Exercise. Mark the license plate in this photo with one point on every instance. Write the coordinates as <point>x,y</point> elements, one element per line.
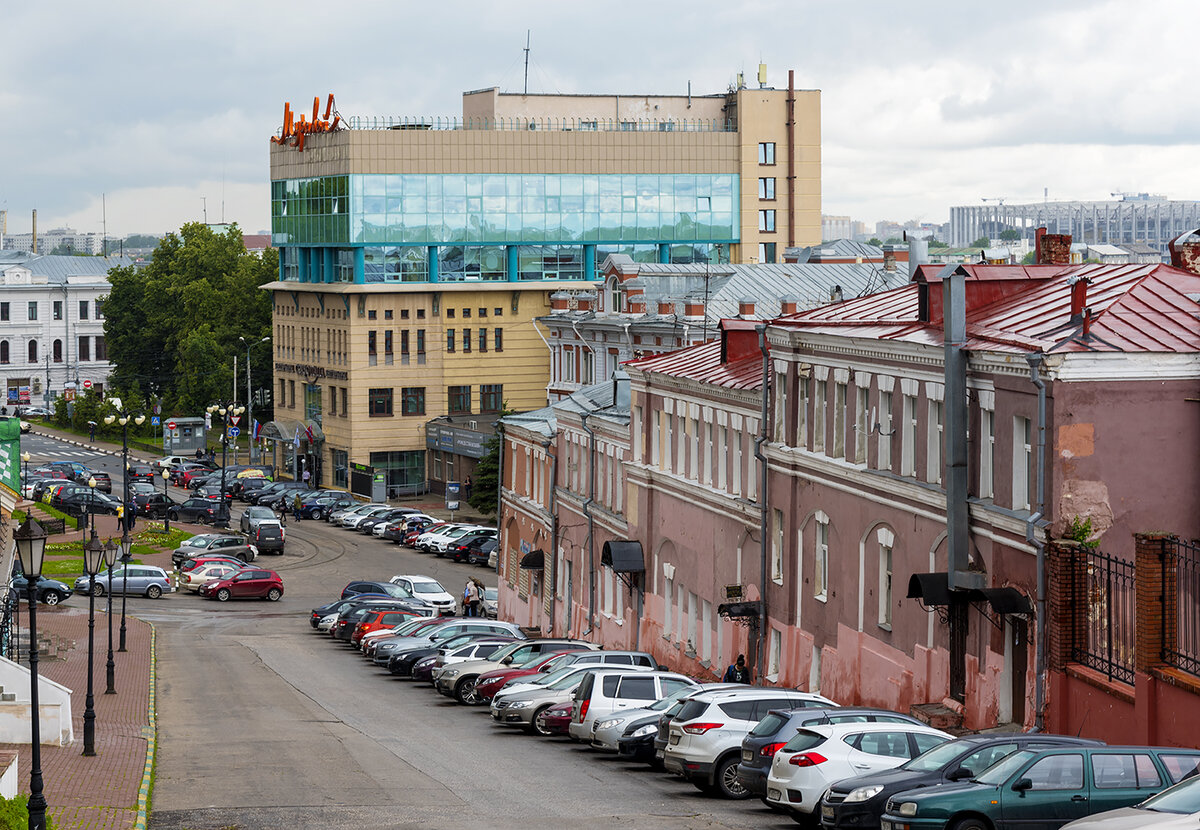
<point>826,812</point>
<point>747,755</point>
<point>674,739</point>
<point>774,795</point>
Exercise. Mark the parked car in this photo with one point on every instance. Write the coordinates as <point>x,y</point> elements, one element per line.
<point>859,801</point>
<point>704,739</point>
<point>199,511</point>
<point>338,605</point>
<point>521,708</point>
<point>439,543</point>
<point>376,619</point>
<point>336,516</point>
<point>244,488</point>
<point>555,720</point>
<point>482,554</point>
<point>602,694</point>
<point>443,633</point>
<point>459,681</point>
<point>174,461</point>
<point>251,516</point>
<point>464,548</point>
<point>319,507</point>
<point>378,646</point>
<point>48,591</point>
<point>83,502</point>
<point>193,579</point>
<point>490,604</point>
<point>405,660</point>
<point>349,619</point>
<point>368,523</point>
<point>428,589</point>
<point>250,583</point>
<point>142,472</point>
<point>192,564</point>
<point>1175,808</point>
<point>146,580</point>
<point>153,505</point>
<point>103,481</point>
<point>1043,788</point>
<point>226,544</point>
<point>269,537</point>
<point>608,730</point>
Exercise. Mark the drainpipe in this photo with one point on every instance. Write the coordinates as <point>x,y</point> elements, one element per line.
<point>1036,361</point>
<point>552,504</point>
<point>591,524</point>
<point>759,440</point>
<point>500,495</point>
<point>590,348</point>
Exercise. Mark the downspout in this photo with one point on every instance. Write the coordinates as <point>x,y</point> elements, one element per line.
<point>791,160</point>
<point>759,440</point>
<point>552,505</point>
<point>1036,361</point>
<point>580,338</point>
<point>591,524</point>
<point>500,557</point>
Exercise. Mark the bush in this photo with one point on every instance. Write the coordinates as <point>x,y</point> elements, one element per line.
<point>14,814</point>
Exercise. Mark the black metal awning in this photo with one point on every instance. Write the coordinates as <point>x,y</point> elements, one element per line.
<point>1005,600</point>
<point>535,560</point>
<point>934,590</point>
<point>623,557</point>
<point>931,589</point>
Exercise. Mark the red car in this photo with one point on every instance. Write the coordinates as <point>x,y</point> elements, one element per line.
<point>248,583</point>
<point>375,620</point>
<point>410,538</point>
<point>556,720</point>
<point>491,682</point>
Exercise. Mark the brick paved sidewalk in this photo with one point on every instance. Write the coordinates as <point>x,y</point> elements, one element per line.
<point>101,792</point>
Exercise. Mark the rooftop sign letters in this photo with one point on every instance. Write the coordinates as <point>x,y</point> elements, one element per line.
<point>294,131</point>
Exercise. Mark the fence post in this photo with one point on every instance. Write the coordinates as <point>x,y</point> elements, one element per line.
<point>1155,598</point>
<point>1062,580</point>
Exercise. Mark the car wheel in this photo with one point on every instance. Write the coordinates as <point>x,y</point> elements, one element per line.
<point>314,514</point>
<point>154,592</point>
<point>537,726</point>
<point>725,780</point>
<point>465,693</point>
<point>971,824</point>
<point>274,594</point>
<point>202,520</point>
<point>223,595</point>
<point>97,590</point>
<point>52,598</point>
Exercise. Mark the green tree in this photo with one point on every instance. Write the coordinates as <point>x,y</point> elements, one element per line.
<point>981,242</point>
<point>893,240</point>
<point>876,241</point>
<point>1029,258</point>
<point>933,243</point>
<point>172,327</point>
<point>141,240</point>
<point>1010,235</point>
<point>485,481</point>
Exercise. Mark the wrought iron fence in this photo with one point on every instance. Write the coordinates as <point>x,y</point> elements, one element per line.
<point>1181,566</point>
<point>1105,615</point>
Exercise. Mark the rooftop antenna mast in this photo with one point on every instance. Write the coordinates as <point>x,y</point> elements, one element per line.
<point>104,221</point>
<point>527,61</point>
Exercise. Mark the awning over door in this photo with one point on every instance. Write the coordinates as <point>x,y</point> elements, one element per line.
<point>624,557</point>
<point>535,560</point>
<point>286,429</point>
<point>934,589</point>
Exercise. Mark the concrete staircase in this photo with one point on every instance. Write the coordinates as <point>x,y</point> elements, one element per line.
<point>946,716</point>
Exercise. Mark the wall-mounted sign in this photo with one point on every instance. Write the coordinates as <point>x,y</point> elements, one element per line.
<point>294,131</point>
<point>311,372</point>
<point>733,592</point>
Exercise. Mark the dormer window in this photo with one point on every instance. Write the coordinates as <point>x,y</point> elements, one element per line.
<point>616,297</point>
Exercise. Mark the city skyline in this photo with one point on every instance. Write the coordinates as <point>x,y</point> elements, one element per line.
<point>162,111</point>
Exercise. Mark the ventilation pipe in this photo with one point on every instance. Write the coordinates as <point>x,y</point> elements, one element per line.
<point>759,440</point>
<point>1036,361</point>
<point>591,522</point>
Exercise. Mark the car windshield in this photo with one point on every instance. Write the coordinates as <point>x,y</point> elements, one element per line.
<point>396,590</point>
<point>1182,798</point>
<point>567,683</point>
<point>936,758</point>
<point>491,594</point>
<point>1000,771</point>
<point>553,677</point>
<point>200,542</point>
<point>769,725</point>
<point>428,588</point>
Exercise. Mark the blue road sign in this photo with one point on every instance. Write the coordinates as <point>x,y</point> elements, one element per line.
<point>234,432</point>
<point>155,420</point>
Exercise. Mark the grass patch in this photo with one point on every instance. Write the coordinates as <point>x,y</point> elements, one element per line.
<point>154,535</point>
<point>19,515</point>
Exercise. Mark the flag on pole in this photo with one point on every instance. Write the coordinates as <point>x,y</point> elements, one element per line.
<point>296,440</point>
<point>312,438</point>
<point>256,429</point>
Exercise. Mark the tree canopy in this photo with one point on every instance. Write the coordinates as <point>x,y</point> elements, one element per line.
<point>172,327</point>
<point>1010,235</point>
<point>981,242</point>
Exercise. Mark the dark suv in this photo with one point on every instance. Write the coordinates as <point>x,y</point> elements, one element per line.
<point>199,511</point>
<point>268,537</point>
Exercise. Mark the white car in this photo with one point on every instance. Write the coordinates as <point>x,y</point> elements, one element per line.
<point>608,729</point>
<point>603,694</point>
<point>428,589</point>
<point>336,516</point>
<point>351,520</point>
<point>327,622</point>
<point>822,753</point>
<point>441,542</point>
<point>193,579</point>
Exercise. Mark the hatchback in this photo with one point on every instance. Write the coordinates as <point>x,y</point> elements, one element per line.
<point>199,511</point>
<point>247,583</point>
<point>142,472</point>
<point>146,580</point>
<point>193,579</point>
<point>428,589</point>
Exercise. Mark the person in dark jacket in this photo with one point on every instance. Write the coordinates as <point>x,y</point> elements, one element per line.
<point>738,672</point>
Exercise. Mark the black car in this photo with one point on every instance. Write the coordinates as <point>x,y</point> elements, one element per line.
<point>246,487</point>
<point>365,586</point>
<point>268,537</point>
<point>468,548</point>
<point>773,731</point>
<point>49,591</point>
<point>349,617</point>
<point>103,481</point>
<point>401,662</point>
<point>214,491</point>
<point>153,505</point>
<point>276,490</point>
<point>82,502</point>
<point>199,511</point>
<point>142,472</point>
<point>637,741</point>
<point>324,503</point>
<point>860,801</point>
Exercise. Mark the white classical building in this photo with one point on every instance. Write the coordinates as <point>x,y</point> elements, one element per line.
<point>52,325</point>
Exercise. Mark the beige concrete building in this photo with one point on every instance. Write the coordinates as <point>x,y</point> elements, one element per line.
<point>400,237</point>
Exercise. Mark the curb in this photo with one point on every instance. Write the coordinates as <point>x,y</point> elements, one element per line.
<point>151,732</point>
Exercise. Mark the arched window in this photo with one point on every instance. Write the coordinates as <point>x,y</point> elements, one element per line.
<point>57,351</point>
<point>616,298</point>
<point>33,351</point>
<point>3,351</point>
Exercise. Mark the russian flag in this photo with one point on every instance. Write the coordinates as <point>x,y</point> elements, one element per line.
<point>256,431</point>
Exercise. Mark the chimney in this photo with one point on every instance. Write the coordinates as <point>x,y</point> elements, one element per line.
<point>889,258</point>
<point>1054,248</point>
<point>636,304</point>
<point>1078,298</point>
<point>665,308</point>
<point>746,309</point>
<point>788,305</point>
<point>560,301</point>
<point>1185,251</point>
<point>620,379</point>
<point>836,295</point>
<point>693,309</point>
<point>918,254</point>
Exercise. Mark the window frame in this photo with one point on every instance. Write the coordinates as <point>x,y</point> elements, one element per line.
<point>380,402</point>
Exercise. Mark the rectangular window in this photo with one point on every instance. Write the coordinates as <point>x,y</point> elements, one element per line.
<point>987,453</point>
<point>292,394</point>
<point>83,309</point>
<point>413,400</point>
<point>387,347</point>
<point>344,396</point>
<point>766,252</point>
<point>32,309</point>
<point>766,221</point>
<point>707,451</point>
<point>101,348</point>
<point>861,428</point>
<point>766,188</point>
<point>460,400</point>
<point>466,340</point>
<point>1022,462</point>
<point>483,340</point>
<point>933,473</point>
<point>655,430</point>
<point>379,403</point>
<point>85,348</point>
<point>420,345</point>
<point>404,346</point>
<point>908,437</point>
<point>372,358</point>
<point>821,561</point>
<point>667,609</point>
<point>491,397</point>
<point>498,343</point>
<point>766,152</point>
<point>885,431</point>
<point>58,310</point>
<point>780,393</point>
<point>885,586</point>
<point>722,460</point>
<point>99,305</point>
<point>449,340</point>
<point>839,420</point>
<point>819,416</point>
<point>282,391</point>
<point>777,549</point>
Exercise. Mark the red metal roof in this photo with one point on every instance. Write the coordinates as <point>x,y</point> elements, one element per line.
<point>703,363</point>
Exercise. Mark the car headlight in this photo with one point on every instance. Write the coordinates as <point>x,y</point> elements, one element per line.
<point>449,672</point>
<point>643,731</point>
<point>520,704</point>
<point>908,809</point>
<point>863,794</point>
<point>608,724</point>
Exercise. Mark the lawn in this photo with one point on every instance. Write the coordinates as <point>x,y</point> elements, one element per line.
<point>66,558</point>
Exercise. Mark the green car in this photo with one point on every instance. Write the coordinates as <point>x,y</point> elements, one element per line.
<point>1043,790</point>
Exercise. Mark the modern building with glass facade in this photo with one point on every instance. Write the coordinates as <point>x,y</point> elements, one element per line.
<point>393,231</point>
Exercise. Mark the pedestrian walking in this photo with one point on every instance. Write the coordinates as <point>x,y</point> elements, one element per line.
<point>467,487</point>
<point>477,608</point>
<point>130,514</point>
<point>296,508</point>
<point>307,475</point>
<point>469,599</point>
<point>199,453</point>
<point>738,672</point>
<point>91,431</point>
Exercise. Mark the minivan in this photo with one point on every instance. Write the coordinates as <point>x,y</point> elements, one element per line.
<point>604,691</point>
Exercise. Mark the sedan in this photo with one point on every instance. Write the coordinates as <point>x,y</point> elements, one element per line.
<point>193,579</point>
<point>145,580</point>
<point>554,721</point>
<point>81,503</point>
<point>49,591</point>
<point>250,583</point>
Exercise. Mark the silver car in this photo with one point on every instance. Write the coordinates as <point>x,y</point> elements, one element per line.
<point>522,708</point>
<point>612,727</point>
<point>144,580</point>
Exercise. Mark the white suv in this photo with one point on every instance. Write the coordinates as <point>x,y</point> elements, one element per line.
<point>704,741</point>
<point>428,589</point>
<point>605,692</point>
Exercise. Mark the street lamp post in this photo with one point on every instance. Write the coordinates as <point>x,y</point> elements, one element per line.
<point>126,544</point>
<point>93,556</point>
<point>110,559</point>
<point>250,398</point>
<point>122,417</point>
<point>25,456</point>
<point>166,477</point>
<point>224,410</point>
<point>30,540</point>
<point>92,507</point>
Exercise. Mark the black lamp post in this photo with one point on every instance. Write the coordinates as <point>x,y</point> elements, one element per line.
<point>126,544</point>
<point>25,477</point>
<point>224,410</point>
<point>250,399</point>
<point>30,540</point>
<point>166,477</point>
<point>122,417</point>
<point>110,559</point>
<point>93,558</point>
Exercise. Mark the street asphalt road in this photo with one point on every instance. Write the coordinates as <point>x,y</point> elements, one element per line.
<point>263,723</point>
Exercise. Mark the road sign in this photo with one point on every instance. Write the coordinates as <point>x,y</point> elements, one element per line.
<point>234,432</point>
<point>171,425</point>
<point>87,384</point>
<point>155,420</point>
<point>233,419</point>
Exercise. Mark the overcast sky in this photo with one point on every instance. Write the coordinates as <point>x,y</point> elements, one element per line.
<point>924,104</point>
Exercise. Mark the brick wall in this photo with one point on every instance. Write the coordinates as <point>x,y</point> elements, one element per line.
<point>1156,597</point>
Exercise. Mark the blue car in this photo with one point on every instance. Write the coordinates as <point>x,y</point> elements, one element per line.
<point>49,591</point>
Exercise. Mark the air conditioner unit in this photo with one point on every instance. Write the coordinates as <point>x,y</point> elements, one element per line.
<point>37,386</point>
